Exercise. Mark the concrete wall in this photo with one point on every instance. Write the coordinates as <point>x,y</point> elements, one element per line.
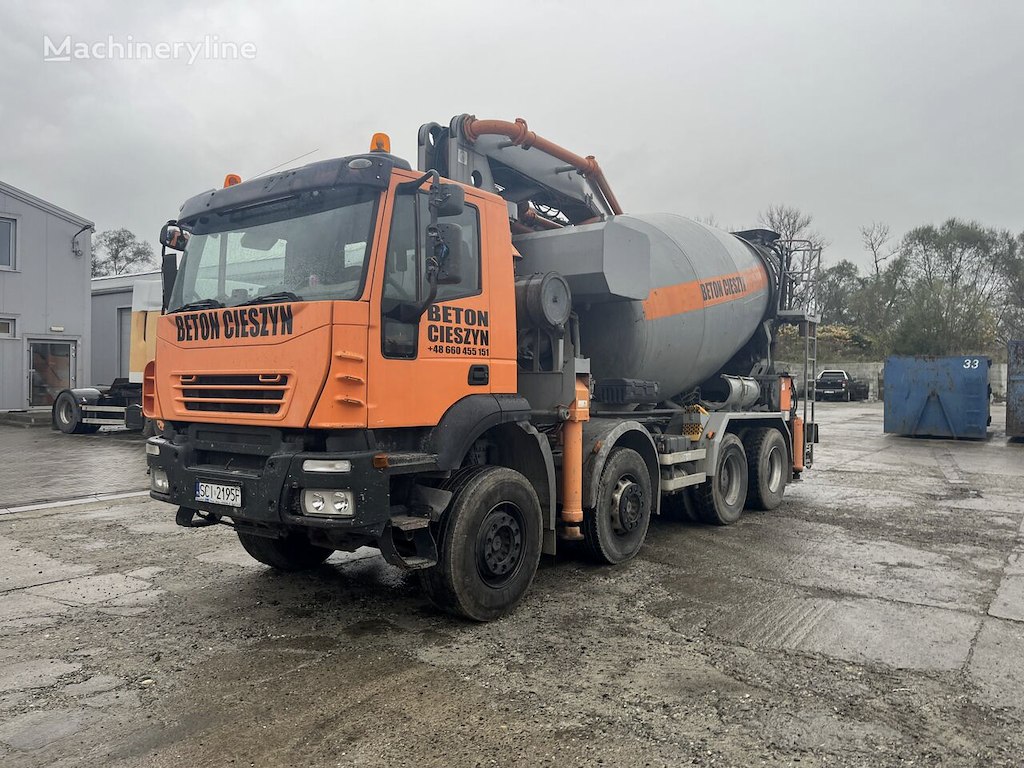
<point>47,289</point>
<point>871,372</point>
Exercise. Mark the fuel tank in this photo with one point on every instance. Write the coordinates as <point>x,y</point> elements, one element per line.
<point>660,297</point>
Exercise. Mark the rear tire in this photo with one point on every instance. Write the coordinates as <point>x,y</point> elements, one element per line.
<point>67,415</point>
<point>681,506</point>
<point>488,543</point>
<point>616,529</point>
<point>767,467</point>
<point>292,553</point>
<point>721,498</point>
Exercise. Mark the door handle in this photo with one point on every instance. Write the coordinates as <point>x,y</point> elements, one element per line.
<point>479,375</point>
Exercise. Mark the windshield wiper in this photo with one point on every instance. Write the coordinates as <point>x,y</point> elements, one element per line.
<point>201,304</point>
<point>273,298</point>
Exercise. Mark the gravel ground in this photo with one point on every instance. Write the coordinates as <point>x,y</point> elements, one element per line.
<point>875,619</point>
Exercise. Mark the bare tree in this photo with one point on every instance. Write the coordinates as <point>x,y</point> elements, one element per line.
<point>119,252</point>
<point>802,261</point>
<point>876,238</point>
<point>791,224</point>
<point>710,220</point>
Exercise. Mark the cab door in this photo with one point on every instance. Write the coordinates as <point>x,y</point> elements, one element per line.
<point>421,365</point>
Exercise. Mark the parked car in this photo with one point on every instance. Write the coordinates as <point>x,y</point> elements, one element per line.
<point>839,385</point>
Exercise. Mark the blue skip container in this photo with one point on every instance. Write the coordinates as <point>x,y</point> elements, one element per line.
<point>937,396</point>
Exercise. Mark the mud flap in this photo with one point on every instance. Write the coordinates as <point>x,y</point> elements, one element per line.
<point>186,518</point>
<point>408,543</point>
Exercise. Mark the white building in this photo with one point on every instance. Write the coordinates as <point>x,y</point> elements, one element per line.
<point>45,305</point>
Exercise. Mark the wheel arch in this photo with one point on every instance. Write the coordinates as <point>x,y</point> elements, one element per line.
<point>522,448</point>
<point>600,437</point>
<point>467,420</point>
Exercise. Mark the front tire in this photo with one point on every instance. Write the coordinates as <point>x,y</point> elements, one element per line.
<point>767,467</point>
<point>721,498</point>
<point>67,415</point>
<point>291,553</point>
<point>616,529</point>
<point>488,541</point>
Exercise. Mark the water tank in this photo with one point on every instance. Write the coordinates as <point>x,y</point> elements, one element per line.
<point>660,297</point>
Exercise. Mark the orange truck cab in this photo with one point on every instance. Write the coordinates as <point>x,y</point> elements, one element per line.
<point>351,355</point>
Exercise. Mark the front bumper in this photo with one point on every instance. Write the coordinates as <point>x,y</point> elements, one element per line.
<point>271,479</point>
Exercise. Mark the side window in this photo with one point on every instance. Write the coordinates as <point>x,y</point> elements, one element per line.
<point>469,220</point>
<point>405,285</point>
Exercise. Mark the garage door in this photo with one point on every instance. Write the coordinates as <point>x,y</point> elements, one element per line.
<point>124,340</point>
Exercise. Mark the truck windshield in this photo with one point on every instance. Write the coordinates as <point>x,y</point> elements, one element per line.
<point>314,248</point>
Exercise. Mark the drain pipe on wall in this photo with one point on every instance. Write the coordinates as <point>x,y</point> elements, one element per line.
<point>75,250</point>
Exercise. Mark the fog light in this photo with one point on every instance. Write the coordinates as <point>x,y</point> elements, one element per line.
<point>158,480</point>
<point>328,503</point>
<point>326,465</point>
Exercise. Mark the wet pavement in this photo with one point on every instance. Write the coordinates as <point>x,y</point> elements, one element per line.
<point>875,619</point>
<point>41,464</point>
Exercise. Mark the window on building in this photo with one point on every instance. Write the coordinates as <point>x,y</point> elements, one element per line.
<point>6,327</point>
<point>7,239</point>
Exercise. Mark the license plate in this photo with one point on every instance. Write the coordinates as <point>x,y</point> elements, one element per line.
<point>213,493</point>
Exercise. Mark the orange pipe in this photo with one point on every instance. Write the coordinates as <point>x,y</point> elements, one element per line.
<point>798,444</point>
<point>531,218</point>
<point>521,136</point>
<point>572,461</point>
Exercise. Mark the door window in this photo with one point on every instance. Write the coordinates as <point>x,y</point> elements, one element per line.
<point>405,284</point>
<point>51,369</point>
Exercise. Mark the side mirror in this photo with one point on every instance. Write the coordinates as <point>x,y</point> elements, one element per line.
<point>447,248</point>
<point>173,236</point>
<point>447,199</point>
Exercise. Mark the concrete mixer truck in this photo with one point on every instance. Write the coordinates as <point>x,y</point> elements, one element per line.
<point>464,364</point>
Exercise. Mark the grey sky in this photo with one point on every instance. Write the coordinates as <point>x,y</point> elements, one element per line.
<point>905,112</point>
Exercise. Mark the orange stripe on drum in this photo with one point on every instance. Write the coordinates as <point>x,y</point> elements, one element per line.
<point>681,298</point>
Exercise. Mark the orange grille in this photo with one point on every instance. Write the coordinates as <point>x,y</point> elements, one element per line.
<point>255,393</point>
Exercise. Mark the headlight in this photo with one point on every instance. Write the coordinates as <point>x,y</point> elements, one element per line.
<point>328,502</point>
<point>158,480</point>
<point>153,446</point>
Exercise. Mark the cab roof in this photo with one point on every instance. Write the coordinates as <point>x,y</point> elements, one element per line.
<point>368,170</point>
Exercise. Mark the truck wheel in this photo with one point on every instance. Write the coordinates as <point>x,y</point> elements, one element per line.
<point>721,498</point>
<point>67,415</point>
<point>681,506</point>
<point>292,553</point>
<point>488,543</point>
<point>616,529</point>
<point>767,467</point>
